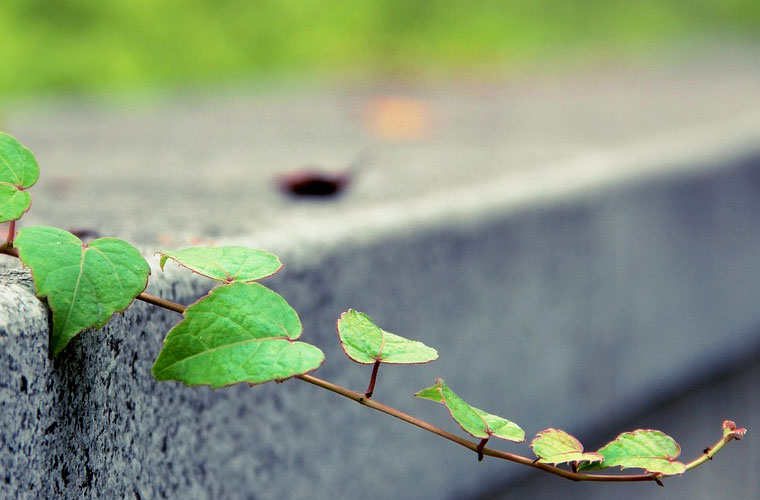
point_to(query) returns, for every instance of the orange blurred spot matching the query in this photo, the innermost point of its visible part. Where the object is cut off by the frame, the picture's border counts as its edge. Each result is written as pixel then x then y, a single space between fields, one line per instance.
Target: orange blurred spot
pixel 165 239
pixel 198 241
pixel 398 118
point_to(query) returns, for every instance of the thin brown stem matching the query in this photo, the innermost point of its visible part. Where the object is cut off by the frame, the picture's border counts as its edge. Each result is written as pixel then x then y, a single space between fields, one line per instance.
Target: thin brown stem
pixel 11 233
pixel 158 301
pixel 7 249
pixel 375 405
pixel 372 379
pixel 481 446
pixel 730 432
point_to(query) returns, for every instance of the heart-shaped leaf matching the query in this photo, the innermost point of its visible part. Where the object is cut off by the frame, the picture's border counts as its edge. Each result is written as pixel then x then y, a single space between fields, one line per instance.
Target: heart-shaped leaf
pixel 241 332
pixel 651 450
pixel 225 264
pixel 554 446
pixel 472 420
pixel 366 343
pixel 18 171
pixel 84 284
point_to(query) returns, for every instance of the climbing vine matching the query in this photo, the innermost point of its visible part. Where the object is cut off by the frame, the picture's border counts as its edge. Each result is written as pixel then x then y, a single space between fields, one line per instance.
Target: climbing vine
pixel 243 332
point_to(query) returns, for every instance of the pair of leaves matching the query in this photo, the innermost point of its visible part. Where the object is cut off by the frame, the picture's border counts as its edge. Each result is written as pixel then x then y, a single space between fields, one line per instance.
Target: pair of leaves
pixel 472 420
pixel 18 172
pixel 651 450
pixel 225 264
pixel 366 343
pixel 84 284
pixel 241 331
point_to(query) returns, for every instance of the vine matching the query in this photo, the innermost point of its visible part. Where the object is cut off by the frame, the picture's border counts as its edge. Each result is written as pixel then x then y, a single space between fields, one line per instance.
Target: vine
pixel 243 332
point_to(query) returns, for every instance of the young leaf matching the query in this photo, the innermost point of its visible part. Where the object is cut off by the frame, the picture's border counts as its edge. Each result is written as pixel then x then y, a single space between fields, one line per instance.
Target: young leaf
pixel 472 420
pixel 225 264
pixel 651 450
pixel 241 332
pixel 84 284
pixel 554 446
pixel 366 343
pixel 730 431
pixel 18 171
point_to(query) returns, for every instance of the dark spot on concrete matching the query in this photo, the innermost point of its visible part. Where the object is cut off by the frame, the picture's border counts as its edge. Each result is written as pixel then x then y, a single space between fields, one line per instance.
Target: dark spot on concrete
pixel 51 428
pixel 23 384
pixel 313 183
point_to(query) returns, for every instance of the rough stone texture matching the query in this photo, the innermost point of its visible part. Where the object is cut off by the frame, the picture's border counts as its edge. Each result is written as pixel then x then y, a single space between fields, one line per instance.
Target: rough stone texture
pixel 613 270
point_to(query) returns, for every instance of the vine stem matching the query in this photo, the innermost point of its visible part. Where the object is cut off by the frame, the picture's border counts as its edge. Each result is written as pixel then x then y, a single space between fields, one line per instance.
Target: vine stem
pixel 372 379
pixel 11 233
pixel 375 405
pixel 8 249
pixel 158 301
pixel 729 432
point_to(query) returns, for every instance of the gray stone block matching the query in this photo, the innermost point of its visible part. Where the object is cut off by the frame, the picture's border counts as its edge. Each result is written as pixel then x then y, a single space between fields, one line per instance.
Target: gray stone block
pixel 601 277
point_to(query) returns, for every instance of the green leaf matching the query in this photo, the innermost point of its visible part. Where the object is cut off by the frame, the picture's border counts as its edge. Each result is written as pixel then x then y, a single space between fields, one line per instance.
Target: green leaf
pixel 554 446
pixel 225 264
pixel 651 450
pixel 18 171
pixel 241 332
pixel 84 284
pixel 472 420
pixel 366 343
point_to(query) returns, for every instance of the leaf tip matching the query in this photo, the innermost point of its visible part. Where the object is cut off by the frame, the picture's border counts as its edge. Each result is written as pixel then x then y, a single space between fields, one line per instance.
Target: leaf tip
pixel 731 430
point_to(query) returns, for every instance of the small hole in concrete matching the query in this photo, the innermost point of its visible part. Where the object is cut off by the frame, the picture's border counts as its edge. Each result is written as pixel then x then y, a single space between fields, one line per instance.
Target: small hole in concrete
pixel 313 183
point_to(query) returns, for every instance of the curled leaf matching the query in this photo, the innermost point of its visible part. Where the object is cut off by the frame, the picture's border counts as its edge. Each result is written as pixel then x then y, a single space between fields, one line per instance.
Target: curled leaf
pixel 18 172
pixel 364 342
pixel 472 420
pixel 225 264
pixel 84 284
pixel 731 431
pixel 554 446
pixel 241 332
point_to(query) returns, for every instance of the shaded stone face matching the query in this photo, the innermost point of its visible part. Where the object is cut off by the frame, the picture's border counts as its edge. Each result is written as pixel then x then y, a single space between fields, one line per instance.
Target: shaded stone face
pixel 596 238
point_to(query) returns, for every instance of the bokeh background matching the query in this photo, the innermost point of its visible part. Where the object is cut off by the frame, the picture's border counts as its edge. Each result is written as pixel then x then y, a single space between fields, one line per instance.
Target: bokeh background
pixel 90 47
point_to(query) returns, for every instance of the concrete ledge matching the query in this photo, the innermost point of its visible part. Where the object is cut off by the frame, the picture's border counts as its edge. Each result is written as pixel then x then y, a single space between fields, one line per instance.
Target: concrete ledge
pixel 582 311
pixel 593 287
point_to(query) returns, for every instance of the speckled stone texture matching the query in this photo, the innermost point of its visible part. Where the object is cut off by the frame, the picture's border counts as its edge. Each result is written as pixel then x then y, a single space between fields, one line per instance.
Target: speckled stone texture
pixel 94 424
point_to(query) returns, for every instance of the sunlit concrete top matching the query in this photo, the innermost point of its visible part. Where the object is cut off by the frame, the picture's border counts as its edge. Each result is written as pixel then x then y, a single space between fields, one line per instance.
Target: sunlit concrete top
pixel 172 171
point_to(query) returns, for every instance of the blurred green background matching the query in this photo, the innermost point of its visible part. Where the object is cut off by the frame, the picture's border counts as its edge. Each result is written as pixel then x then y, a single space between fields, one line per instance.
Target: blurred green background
pixel 86 47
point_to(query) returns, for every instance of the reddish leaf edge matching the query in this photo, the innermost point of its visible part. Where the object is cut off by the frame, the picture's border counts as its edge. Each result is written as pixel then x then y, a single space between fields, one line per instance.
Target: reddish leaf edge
pixel 230 279
pixel 376 359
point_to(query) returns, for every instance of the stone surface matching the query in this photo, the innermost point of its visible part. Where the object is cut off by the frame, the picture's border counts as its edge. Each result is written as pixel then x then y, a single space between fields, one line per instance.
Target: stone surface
pixel 595 238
